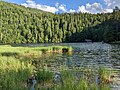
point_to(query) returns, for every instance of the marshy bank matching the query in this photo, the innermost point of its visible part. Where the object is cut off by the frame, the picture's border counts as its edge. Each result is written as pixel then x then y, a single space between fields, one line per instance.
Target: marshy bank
pixel 16 64
pixel 91 66
pixel 7 50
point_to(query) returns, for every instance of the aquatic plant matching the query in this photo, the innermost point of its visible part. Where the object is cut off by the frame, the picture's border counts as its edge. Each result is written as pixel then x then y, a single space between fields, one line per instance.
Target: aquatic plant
pixel 103 75
pixel 43 75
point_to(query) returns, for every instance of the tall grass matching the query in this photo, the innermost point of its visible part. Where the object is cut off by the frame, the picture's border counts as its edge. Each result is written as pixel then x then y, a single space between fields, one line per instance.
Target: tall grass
pixel 104 75
pixel 14 73
pixel 81 83
pixel 44 75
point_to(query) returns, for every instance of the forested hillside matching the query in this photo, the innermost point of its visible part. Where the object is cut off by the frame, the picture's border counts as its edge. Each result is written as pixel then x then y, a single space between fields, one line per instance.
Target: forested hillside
pixel 25 25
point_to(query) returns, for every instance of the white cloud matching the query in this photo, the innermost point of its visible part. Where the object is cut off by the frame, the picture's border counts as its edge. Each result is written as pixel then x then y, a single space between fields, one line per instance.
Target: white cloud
pixel 91 8
pixel 88 8
pixel 32 4
pixel 24 4
pixel 62 7
pixel 112 3
pixel 47 8
pixel 107 11
pixel 57 4
pixel 82 9
pixel 94 5
pixel 94 8
pixel 72 11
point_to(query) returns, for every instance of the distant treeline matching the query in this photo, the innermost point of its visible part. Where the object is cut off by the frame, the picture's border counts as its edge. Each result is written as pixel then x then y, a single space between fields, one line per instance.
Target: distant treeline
pixel 25 25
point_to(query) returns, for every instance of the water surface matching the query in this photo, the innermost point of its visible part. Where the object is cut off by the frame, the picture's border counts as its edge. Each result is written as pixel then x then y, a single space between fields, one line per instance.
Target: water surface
pixel 84 55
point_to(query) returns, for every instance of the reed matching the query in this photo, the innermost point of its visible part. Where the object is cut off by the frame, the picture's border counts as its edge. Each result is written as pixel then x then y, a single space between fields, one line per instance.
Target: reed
pixel 44 76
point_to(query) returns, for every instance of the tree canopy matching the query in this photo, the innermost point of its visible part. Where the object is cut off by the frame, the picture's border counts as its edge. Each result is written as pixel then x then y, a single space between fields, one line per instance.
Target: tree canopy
pixel 19 24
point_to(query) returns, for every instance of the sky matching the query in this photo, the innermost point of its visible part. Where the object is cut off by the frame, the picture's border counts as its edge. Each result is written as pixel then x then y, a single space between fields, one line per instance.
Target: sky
pixel 70 6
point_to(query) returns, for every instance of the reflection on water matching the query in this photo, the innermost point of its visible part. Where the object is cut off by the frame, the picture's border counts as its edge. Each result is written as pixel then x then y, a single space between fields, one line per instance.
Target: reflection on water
pixel 86 55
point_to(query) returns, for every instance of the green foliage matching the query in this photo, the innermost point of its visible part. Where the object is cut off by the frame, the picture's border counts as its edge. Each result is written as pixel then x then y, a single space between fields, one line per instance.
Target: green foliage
pixel 26 25
pixel 43 75
pixel 69 83
pixel 105 87
pixel 103 73
pixel 83 85
pixel 94 87
pixel 14 73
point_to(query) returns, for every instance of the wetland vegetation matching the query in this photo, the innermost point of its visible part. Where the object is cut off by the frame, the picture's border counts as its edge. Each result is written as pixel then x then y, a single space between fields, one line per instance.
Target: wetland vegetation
pixel 78 68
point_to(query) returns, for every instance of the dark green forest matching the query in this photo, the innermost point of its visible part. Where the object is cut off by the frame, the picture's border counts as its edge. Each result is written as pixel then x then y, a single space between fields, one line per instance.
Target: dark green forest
pixel 26 25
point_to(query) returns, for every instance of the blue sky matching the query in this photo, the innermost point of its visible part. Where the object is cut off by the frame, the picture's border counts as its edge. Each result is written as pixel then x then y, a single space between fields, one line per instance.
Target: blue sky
pixel 54 6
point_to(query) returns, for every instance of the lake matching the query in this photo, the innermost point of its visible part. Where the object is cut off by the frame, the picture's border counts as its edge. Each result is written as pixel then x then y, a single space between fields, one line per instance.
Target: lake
pixel 84 55
pixel 87 55
pixel 84 58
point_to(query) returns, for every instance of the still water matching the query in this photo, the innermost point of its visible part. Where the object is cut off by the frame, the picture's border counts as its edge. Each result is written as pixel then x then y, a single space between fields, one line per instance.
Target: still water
pixel 87 55
pixel 84 55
